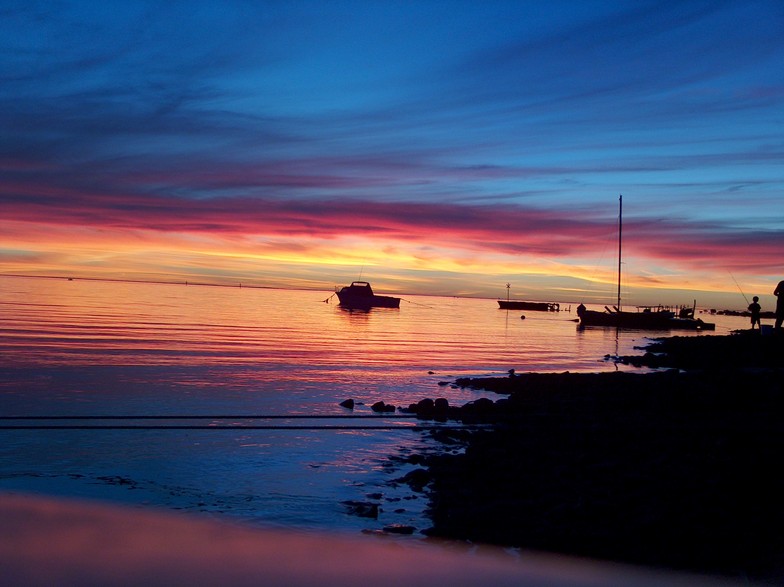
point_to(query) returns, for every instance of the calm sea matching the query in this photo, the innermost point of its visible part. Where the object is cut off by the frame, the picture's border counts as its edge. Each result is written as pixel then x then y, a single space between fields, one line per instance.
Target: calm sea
pixel 168 373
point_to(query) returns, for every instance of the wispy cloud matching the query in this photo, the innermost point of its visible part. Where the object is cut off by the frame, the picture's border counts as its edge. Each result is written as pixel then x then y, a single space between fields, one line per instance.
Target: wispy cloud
pixel 511 230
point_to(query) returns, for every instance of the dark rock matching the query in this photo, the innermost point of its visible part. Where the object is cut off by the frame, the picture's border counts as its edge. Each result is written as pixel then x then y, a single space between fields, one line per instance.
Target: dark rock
pixel 441 404
pixel 482 405
pixel 415 459
pixel 118 480
pixel 381 407
pixel 425 406
pixel 450 436
pixel 714 352
pixel 399 529
pixel 349 403
pixel 417 479
pixel 668 469
pixel 504 404
pixel 362 509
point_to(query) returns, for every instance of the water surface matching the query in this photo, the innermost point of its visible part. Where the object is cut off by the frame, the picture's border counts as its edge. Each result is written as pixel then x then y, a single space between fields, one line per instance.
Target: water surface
pixel 231 356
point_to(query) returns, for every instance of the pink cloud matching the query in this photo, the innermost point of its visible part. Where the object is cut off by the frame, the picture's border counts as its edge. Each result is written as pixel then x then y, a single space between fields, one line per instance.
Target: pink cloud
pixel 505 229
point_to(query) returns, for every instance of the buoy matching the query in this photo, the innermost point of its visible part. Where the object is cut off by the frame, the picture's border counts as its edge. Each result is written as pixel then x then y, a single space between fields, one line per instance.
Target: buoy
pixel 522 317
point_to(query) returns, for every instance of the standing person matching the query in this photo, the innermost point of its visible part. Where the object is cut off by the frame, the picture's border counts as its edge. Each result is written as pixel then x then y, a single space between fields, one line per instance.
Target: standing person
pixel 779 292
pixel 755 310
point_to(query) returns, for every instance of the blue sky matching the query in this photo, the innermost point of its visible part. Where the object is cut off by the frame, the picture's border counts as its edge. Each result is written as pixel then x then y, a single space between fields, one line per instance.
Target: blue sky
pixel 438 147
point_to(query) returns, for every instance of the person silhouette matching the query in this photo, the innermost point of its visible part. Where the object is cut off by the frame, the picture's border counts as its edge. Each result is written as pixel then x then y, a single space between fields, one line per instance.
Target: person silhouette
pixel 779 293
pixel 755 310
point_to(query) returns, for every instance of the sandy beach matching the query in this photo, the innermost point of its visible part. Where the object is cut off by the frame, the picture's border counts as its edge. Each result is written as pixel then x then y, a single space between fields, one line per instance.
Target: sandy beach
pixel 676 469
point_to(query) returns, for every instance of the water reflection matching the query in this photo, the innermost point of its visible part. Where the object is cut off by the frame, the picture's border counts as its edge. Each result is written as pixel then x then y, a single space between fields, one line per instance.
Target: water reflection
pixel 77 322
pixel 77 348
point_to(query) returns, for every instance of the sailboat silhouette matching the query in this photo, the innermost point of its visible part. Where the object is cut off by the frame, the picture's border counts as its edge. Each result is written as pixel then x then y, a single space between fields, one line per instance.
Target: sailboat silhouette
pixel 646 318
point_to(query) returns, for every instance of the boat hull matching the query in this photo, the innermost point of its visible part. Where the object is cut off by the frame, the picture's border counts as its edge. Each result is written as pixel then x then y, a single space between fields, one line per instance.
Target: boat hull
pixel 523 305
pixel 642 321
pixel 691 324
pixel 365 302
pixel 359 296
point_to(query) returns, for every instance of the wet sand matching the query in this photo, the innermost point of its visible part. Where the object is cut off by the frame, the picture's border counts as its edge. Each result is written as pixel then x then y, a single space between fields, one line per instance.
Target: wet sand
pixel 677 469
pixel 56 541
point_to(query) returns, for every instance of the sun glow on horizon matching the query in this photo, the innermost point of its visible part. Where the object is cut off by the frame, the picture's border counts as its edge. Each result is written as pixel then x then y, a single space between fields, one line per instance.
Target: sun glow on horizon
pixel 396 266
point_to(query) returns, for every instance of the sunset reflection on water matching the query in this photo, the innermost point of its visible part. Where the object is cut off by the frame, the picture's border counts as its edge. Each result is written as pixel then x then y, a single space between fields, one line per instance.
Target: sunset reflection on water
pixel 233 355
pixel 61 322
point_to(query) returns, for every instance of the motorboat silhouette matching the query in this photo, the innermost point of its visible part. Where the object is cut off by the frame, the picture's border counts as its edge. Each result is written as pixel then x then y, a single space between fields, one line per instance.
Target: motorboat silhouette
pixel 359 295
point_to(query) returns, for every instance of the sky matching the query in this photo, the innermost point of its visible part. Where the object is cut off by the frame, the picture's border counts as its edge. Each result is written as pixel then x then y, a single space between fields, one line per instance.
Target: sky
pixel 429 147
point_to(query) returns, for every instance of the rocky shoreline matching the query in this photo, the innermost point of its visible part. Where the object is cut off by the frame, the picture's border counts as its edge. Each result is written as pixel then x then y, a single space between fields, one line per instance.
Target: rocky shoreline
pixel 676 469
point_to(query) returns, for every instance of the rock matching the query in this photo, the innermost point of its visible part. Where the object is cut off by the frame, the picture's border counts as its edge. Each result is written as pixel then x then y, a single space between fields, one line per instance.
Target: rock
pixel 421 408
pixel 381 407
pixel 447 437
pixel 363 509
pixel 482 405
pixel 118 480
pixel 583 461
pixel 415 459
pixel 399 529
pixel 417 479
pixel 349 403
pixel 425 406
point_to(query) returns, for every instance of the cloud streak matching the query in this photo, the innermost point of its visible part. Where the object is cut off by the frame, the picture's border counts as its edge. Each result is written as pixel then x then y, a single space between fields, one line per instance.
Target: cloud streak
pixel 507 230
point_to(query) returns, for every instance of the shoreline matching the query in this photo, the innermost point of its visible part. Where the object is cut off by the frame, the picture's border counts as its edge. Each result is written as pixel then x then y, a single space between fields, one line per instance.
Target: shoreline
pixel 677 469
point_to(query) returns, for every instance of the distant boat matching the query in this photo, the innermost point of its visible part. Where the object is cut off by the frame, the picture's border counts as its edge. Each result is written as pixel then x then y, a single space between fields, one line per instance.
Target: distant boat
pixel 508 304
pixel 524 305
pixel 359 296
pixel 645 318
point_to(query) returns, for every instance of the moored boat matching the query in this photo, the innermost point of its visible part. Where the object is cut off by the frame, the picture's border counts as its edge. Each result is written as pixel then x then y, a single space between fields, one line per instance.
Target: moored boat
pixel 509 304
pixel 647 318
pixel 359 295
pixel 525 305
pixel 642 319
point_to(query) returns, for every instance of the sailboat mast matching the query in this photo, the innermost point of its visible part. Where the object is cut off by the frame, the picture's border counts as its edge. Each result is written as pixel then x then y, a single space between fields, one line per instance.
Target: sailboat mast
pixel 620 233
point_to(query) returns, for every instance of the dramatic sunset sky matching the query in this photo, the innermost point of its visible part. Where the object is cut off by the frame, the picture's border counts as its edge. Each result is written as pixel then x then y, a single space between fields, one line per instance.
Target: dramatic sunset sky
pixel 444 147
